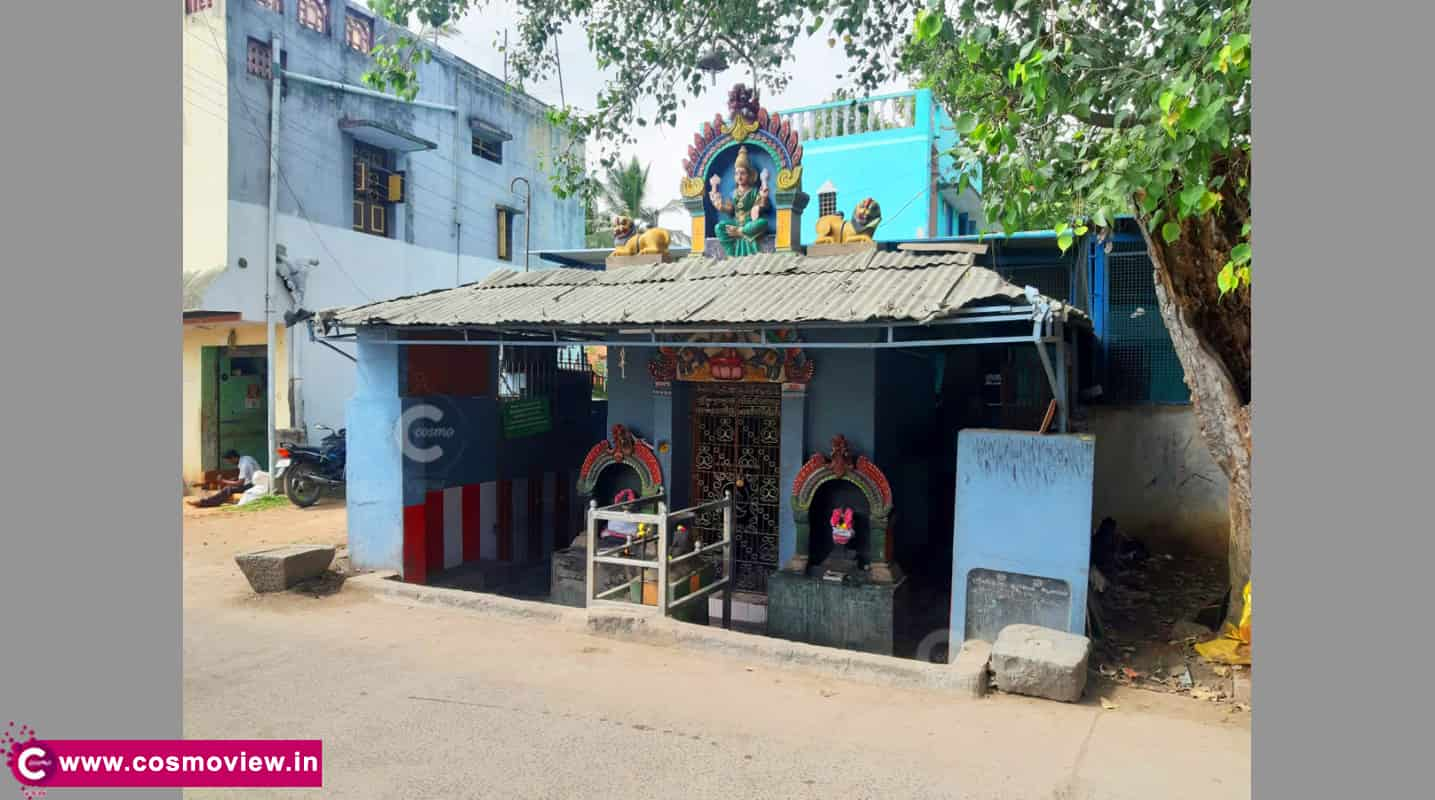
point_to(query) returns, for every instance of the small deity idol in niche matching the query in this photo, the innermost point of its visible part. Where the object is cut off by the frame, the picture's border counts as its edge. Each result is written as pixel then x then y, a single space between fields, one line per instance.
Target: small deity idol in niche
pixel 741 223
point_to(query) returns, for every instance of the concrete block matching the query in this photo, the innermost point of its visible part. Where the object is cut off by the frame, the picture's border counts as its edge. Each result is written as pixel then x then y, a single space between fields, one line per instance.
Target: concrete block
pixel 279 568
pixel 1041 662
pixel 972 667
pixel 1241 687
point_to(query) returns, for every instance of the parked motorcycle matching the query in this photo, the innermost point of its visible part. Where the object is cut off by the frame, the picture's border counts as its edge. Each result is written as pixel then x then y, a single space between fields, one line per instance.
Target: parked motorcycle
pixel 307 470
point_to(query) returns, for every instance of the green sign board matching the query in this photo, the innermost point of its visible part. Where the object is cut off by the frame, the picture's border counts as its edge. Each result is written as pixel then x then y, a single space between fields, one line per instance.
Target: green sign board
pixel 527 417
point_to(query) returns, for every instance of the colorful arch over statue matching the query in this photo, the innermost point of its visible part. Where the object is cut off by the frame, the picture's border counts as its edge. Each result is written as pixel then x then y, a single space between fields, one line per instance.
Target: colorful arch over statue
pixel 742 181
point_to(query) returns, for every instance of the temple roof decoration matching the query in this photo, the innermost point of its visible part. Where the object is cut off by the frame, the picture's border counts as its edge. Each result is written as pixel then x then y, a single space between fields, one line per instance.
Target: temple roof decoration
pixel 770 132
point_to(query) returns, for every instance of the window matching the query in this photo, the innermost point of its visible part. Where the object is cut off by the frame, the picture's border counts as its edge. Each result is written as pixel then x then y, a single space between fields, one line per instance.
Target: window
pixel 358 31
pixel 314 15
pixel 260 59
pixel 191 6
pixel 371 173
pixel 505 234
pixel 491 149
pixel 277 6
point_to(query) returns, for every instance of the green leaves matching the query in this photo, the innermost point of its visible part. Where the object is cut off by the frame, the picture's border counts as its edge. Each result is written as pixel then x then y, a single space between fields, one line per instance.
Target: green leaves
pixel 927 25
pixel 966 122
pixel 1190 198
pixel 1241 253
pixel 1226 279
pixel 1171 231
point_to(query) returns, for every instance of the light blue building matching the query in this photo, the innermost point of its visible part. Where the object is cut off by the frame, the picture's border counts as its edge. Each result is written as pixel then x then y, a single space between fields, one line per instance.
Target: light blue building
pixel 893 148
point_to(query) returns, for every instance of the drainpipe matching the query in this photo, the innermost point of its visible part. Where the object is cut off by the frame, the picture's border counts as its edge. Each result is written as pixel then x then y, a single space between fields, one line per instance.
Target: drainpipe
pixel 271 250
pixel 457 220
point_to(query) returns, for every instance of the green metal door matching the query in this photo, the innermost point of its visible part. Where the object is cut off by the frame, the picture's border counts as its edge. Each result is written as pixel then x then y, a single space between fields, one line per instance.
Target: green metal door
pixel 243 415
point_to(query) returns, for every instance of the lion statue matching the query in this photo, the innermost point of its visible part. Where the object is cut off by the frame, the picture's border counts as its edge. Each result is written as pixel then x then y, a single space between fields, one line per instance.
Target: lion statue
pixel 832 229
pixel 631 240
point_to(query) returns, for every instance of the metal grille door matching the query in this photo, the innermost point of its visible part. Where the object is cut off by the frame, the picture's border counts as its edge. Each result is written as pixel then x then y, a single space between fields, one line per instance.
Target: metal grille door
pixel 1140 359
pixel 736 446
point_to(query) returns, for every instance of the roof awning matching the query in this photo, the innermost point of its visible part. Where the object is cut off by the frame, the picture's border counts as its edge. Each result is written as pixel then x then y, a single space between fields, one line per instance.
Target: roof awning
pixel 484 129
pixel 383 135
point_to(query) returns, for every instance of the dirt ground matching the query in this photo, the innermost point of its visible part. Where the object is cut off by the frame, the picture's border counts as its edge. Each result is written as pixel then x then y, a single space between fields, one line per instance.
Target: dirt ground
pixel 497 708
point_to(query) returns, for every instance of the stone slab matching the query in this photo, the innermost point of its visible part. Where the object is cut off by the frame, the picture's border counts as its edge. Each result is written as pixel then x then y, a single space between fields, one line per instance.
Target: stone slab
pixel 280 568
pixel 569 578
pixel 1040 662
pixel 858 617
pixel 972 667
pixel 839 248
pixel 643 260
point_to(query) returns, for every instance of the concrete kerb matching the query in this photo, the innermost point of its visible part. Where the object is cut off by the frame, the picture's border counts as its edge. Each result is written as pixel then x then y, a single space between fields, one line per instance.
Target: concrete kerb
pixel 385 586
pixel 652 630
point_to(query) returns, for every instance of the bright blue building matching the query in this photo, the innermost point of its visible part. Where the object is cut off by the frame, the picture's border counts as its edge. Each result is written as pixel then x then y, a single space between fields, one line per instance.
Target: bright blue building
pixel 892 148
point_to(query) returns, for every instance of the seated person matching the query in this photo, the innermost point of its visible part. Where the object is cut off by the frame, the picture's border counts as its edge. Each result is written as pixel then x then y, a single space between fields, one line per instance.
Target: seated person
pixel 247 467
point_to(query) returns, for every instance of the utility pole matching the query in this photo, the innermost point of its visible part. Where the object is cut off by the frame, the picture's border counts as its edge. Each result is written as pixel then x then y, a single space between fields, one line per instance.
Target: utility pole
pixel 272 250
pixel 562 101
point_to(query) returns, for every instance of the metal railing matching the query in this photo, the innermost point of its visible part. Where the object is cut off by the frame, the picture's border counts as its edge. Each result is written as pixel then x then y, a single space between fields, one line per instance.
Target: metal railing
pixel 653 554
pixel 847 117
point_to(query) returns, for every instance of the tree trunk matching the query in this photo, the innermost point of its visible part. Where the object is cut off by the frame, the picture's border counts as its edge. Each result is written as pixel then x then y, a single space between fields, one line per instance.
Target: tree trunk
pixel 1212 338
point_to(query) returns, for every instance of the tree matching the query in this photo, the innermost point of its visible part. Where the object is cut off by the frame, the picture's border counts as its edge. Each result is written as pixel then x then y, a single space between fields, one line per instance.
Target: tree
pixel 654 53
pixel 623 190
pixel 1079 110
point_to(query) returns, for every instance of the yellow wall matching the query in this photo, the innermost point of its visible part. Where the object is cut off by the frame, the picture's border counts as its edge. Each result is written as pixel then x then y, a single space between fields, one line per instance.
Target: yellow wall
pixel 205 148
pixel 198 336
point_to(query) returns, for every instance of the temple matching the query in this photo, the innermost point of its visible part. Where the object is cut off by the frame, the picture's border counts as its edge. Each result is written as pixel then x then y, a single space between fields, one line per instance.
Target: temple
pixel 778 446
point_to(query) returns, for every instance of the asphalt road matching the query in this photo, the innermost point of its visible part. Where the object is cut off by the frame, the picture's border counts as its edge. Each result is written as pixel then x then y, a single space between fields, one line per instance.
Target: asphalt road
pixel 420 702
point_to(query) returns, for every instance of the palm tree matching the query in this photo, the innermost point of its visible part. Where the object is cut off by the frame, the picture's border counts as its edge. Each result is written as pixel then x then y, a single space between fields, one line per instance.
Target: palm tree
pixel 623 190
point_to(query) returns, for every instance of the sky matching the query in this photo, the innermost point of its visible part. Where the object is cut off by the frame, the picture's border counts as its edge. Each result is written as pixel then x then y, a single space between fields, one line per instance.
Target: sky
pixel 660 146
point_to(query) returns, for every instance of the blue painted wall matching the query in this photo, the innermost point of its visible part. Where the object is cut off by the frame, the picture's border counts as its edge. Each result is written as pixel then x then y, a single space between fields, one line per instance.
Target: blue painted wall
pixel 630 391
pixel 1023 505
pixel 375 468
pixel 906 427
pixel 895 166
pixel 478 452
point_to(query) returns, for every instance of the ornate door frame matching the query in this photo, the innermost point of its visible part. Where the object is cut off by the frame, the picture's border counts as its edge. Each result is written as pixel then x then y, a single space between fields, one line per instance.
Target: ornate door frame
pixel 736 434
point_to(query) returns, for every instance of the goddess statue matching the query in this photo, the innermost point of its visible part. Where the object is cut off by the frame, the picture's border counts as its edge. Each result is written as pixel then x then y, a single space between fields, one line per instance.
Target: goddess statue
pixel 741 223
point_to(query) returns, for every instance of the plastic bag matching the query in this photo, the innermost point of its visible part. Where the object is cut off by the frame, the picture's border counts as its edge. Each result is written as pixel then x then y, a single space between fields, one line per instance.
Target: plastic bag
pixel 1233 646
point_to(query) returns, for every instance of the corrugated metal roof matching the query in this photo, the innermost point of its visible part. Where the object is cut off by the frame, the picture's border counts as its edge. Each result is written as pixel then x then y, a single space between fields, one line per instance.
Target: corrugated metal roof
pixel 765 288
pixel 195 284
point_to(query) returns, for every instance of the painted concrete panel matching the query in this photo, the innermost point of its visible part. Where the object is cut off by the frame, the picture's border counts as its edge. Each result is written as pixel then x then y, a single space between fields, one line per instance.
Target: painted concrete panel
pixel 1023 508
pixel 375 465
pixel 521 487
pixel 790 459
pixel 1156 478
pixel 630 389
pixel 488 521
pixel 452 526
pixel 204 141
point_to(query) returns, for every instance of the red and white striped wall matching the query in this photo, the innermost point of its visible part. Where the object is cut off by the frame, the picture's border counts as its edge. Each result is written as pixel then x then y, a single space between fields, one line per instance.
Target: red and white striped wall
pixel 516 521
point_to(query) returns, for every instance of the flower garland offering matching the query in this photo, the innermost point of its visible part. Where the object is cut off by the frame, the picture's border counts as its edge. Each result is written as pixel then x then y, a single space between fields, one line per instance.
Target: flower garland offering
pixel 841 525
pixel 619 527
